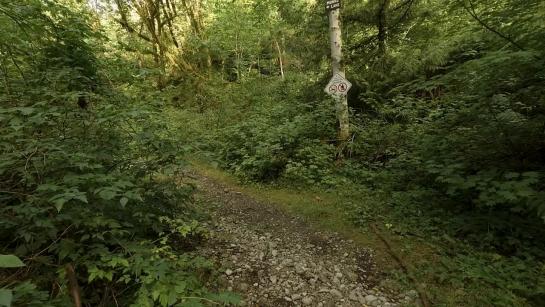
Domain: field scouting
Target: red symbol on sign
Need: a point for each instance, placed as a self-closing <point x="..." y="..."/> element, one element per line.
<point x="333" y="88"/>
<point x="342" y="87"/>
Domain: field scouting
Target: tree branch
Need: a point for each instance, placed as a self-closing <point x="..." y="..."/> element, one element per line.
<point x="130" y="29"/>
<point x="471" y="11"/>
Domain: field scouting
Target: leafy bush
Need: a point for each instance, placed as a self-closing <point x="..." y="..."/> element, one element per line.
<point x="88" y="188"/>
<point x="280" y="137"/>
<point x="80" y="192"/>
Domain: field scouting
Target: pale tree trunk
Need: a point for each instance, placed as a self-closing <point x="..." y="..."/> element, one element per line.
<point x="238" y="58"/>
<point x="336" y="64"/>
<point x="280" y="61"/>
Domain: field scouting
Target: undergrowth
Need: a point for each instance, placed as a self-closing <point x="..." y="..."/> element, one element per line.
<point x="423" y="169"/>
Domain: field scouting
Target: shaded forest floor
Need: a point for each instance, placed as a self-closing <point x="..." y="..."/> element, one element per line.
<point x="276" y="258"/>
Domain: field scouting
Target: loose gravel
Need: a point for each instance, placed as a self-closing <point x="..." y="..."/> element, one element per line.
<point x="274" y="259"/>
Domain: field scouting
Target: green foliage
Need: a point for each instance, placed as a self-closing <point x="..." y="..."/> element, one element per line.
<point x="449" y="106"/>
<point x="86" y="194"/>
<point x="448" y="132"/>
<point x="280" y="139"/>
<point x="88" y="186"/>
<point x="10" y="261"/>
<point x="512" y="277"/>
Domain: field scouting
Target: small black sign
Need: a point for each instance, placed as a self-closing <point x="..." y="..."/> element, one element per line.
<point x="331" y="5"/>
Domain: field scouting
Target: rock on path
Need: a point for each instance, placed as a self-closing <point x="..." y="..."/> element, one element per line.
<point x="274" y="259"/>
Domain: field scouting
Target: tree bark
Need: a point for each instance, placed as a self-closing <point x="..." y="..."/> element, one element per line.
<point x="336" y="64"/>
<point x="280" y="61"/>
<point x="382" y="27"/>
<point x="73" y="285"/>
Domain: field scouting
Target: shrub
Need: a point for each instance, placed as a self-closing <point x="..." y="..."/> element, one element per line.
<point x="81" y="191"/>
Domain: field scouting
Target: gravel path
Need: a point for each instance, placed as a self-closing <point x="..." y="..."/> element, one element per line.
<point x="274" y="259"/>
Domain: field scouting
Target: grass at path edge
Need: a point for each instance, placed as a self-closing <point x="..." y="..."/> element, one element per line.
<point x="323" y="210"/>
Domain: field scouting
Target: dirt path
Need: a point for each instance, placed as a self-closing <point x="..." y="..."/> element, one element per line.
<point x="274" y="259"/>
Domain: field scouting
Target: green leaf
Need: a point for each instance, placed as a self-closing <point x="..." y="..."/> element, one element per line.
<point x="26" y="110"/>
<point x="10" y="261"/>
<point x="59" y="203"/>
<point x="107" y="194"/>
<point x="6" y="297"/>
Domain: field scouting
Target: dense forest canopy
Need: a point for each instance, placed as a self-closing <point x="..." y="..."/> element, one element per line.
<point x="104" y="103"/>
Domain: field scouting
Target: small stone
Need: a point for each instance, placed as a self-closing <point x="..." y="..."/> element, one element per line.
<point x="353" y="295"/>
<point x="299" y="269"/>
<point x="243" y="286"/>
<point x="370" y="298"/>
<point x="336" y="292"/>
<point x="256" y="284"/>
<point x="323" y="277"/>
<point x="361" y="299"/>
<point x="274" y="253"/>
<point x="352" y="276"/>
<point x="273" y="279"/>
<point x="228" y="272"/>
<point x="339" y="275"/>
<point x="296" y="297"/>
<point x="323" y="290"/>
<point x="307" y="300"/>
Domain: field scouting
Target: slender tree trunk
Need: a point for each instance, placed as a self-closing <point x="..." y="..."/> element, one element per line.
<point x="336" y="64"/>
<point x="222" y="69"/>
<point x="382" y="27"/>
<point x="259" y="66"/>
<point x="280" y="61"/>
<point x="73" y="285"/>
<point x="237" y="58"/>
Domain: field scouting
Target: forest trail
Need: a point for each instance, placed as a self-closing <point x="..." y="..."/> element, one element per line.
<point x="275" y="259"/>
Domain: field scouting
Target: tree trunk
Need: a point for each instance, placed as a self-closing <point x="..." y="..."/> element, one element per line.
<point x="280" y="61"/>
<point x="382" y="27"/>
<point x="238" y="57"/>
<point x="336" y="64"/>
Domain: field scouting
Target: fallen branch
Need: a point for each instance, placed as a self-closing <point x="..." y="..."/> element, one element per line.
<point x="422" y="295"/>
